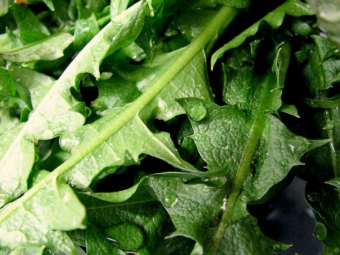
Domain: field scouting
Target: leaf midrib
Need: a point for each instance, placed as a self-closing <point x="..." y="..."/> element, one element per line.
<point x="222" y="19"/>
<point x="256" y="128"/>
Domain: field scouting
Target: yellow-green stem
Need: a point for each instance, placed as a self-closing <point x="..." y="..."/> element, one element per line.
<point x="215" y="27"/>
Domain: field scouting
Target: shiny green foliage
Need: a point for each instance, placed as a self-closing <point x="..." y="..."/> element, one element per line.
<point x="116" y="138"/>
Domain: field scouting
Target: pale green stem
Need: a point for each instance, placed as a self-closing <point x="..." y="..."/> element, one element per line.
<point x="255" y="133"/>
<point x="215" y="27"/>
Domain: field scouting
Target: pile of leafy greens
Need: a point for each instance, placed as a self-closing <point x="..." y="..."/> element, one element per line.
<point x="148" y="127"/>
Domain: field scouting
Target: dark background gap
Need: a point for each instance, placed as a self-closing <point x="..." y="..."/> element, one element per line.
<point x="287" y="218"/>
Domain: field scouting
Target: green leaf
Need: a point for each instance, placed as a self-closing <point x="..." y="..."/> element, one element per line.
<point x="9" y="41"/>
<point x="7" y="119"/>
<point x="202" y="206"/>
<point x="245" y="230"/>
<point x="25" y="251"/>
<point x="122" y="148"/>
<point x="322" y="68"/>
<point x="289" y="109"/>
<point x="235" y="3"/>
<point x="23" y="156"/>
<point x="134" y="138"/>
<point x="39" y="226"/>
<point x="96" y="243"/>
<point x="193" y="208"/>
<point x="90" y="58"/>
<point x="56" y="108"/>
<point x="30" y="85"/>
<point x="7" y="87"/>
<point x="254" y="150"/>
<point x="49" y="3"/>
<point x="117" y="7"/>
<point x="150" y="221"/>
<point x="4" y="6"/>
<point x="50" y="48"/>
<point x="31" y="29"/>
<point x="327" y="12"/>
<point x="84" y="31"/>
<point x="274" y="19"/>
<point x="191" y="82"/>
<point x="325" y="203"/>
<point x="126" y="235"/>
<point x="123" y="92"/>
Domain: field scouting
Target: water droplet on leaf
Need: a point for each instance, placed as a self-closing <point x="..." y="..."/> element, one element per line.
<point x="196" y="111"/>
<point x="320" y="231"/>
<point x="313" y="197"/>
<point x="170" y="200"/>
<point x="197" y="137"/>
